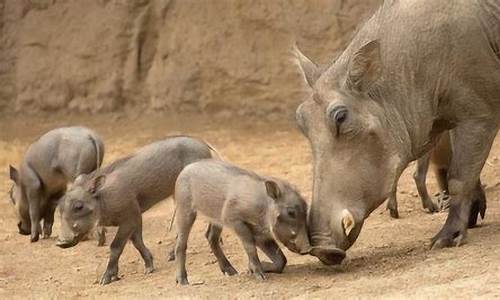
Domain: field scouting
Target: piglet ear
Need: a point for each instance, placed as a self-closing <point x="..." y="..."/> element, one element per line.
<point x="273" y="189"/>
<point x="13" y="174"/>
<point x="97" y="183"/>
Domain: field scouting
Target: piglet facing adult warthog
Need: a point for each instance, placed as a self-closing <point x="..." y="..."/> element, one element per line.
<point x="257" y="208"/>
<point x="119" y="193"/>
<point x="49" y="164"/>
<point x="414" y="70"/>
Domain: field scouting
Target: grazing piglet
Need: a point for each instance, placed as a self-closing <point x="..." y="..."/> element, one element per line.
<point x="119" y="193"/>
<point x="50" y="163"/>
<point x="259" y="209"/>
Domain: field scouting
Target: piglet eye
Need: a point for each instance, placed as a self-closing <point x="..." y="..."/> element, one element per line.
<point x="291" y="213"/>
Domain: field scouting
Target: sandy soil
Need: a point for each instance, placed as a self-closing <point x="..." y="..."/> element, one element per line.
<point x="390" y="259"/>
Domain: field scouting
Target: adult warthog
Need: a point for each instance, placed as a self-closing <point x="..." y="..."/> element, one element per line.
<point x="414" y="70"/>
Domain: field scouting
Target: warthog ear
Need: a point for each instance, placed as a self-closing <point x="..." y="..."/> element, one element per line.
<point x="364" y="67"/>
<point x="97" y="183"/>
<point x="310" y="70"/>
<point x="13" y="174"/>
<point x="347" y="221"/>
<point x="273" y="189"/>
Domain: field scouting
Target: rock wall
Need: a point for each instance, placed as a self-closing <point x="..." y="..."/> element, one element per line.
<point x="169" y="55"/>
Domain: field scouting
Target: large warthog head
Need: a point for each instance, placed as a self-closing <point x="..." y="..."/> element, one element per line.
<point x="356" y="161"/>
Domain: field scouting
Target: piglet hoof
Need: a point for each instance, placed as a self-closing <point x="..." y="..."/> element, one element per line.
<point x="229" y="271"/>
<point x="108" y="278"/>
<point x="260" y="276"/>
<point x="101" y="241"/>
<point x="47" y="232"/>
<point x="182" y="281"/>
<point x="394" y="213"/>
<point x="171" y="256"/>
<point x="35" y="237"/>
<point x="257" y="272"/>
<point x="149" y="270"/>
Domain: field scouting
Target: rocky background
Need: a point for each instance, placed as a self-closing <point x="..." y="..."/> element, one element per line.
<point x="229" y="56"/>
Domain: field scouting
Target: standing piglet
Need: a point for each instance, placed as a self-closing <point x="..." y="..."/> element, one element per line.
<point x="119" y="193"/>
<point x="259" y="209"/>
<point x="50" y="163"/>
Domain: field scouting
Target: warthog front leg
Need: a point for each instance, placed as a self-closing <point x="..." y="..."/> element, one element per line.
<point x="213" y="236"/>
<point x="273" y="251"/>
<point x="35" y="217"/>
<point x="143" y="250"/>
<point x="246" y="236"/>
<point x="119" y="242"/>
<point x="48" y="219"/>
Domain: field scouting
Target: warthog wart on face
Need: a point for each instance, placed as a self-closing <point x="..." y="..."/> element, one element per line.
<point x="355" y="157"/>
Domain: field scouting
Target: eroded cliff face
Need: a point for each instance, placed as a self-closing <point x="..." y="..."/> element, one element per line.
<point x="169" y="55"/>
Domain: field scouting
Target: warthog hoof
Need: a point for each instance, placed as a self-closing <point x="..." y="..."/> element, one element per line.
<point x="182" y="280"/>
<point x="108" y="277"/>
<point x="449" y="237"/>
<point x="229" y="271"/>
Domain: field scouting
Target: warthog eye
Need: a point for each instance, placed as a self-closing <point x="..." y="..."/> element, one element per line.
<point x="338" y="115"/>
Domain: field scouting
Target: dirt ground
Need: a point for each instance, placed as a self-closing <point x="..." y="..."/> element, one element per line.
<point x="391" y="258"/>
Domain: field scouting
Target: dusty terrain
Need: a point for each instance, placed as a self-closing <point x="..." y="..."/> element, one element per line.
<point x="390" y="259"/>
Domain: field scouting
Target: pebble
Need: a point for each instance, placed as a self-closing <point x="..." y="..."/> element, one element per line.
<point x="199" y="282"/>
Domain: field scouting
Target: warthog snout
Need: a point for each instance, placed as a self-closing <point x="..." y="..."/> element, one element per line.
<point x="328" y="255"/>
<point x="66" y="243"/>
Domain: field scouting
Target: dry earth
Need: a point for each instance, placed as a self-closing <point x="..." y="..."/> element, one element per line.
<point x="390" y="259"/>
